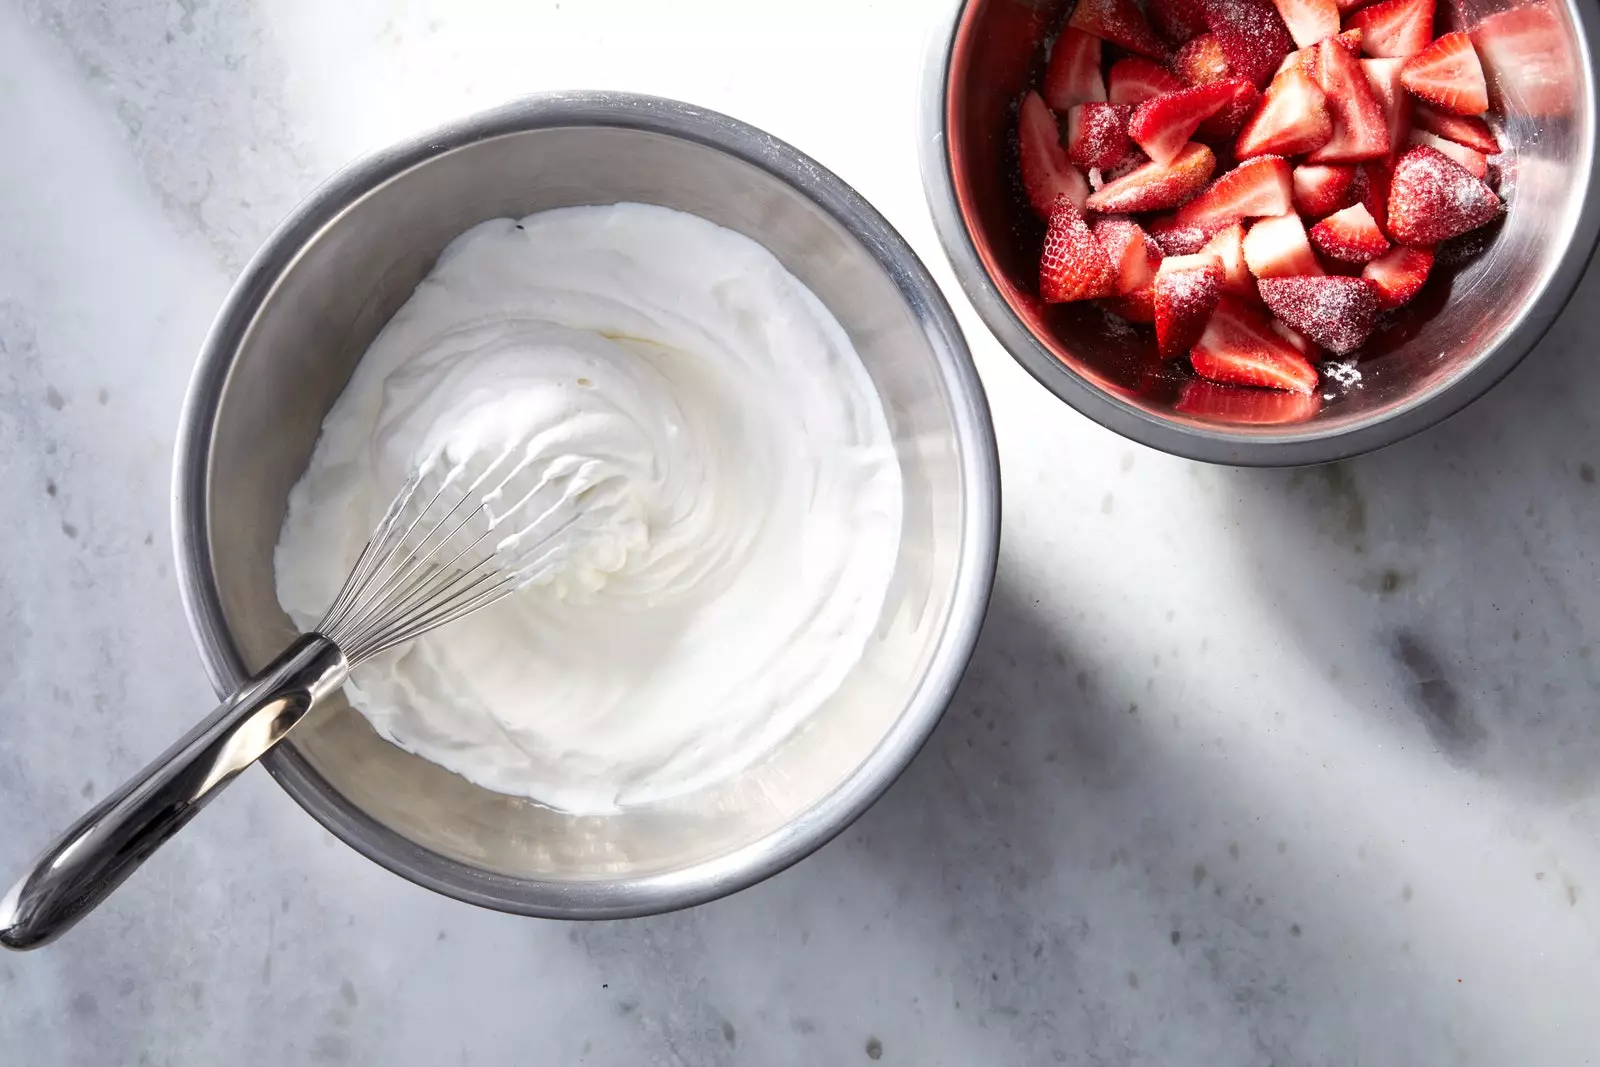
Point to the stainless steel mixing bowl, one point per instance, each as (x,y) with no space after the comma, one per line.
(304,312)
(1471,325)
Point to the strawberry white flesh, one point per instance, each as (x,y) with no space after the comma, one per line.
(1046,173)
(1278,247)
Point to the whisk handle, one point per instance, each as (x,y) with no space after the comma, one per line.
(108,844)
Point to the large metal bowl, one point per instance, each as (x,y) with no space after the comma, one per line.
(1472,324)
(304,312)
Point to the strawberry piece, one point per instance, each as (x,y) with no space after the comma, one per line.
(1138,306)
(1394,28)
(1309,21)
(1336,313)
(1297,340)
(1306,58)
(1372,190)
(1073,75)
(1133,254)
(1074,266)
(1432,199)
(1120,22)
(1224,126)
(1277,247)
(1251,35)
(1256,187)
(1239,347)
(1162,125)
(1134,80)
(1474,163)
(1046,173)
(1178,20)
(1397,276)
(1177,238)
(1447,74)
(1187,290)
(1293,118)
(1351,236)
(1347,6)
(1462,129)
(1154,187)
(1526,50)
(1245,407)
(1097,134)
(1200,61)
(1360,130)
(1228,247)
(1322,189)
(1383,76)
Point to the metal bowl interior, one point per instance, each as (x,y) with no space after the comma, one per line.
(1476,318)
(307,308)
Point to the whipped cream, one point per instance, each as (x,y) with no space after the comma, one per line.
(729,577)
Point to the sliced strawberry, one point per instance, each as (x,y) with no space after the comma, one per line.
(1396,277)
(1177,20)
(1224,126)
(1121,22)
(1177,238)
(1447,74)
(1474,163)
(1228,247)
(1322,189)
(1134,80)
(1245,407)
(1360,130)
(1372,190)
(1297,340)
(1462,129)
(1239,347)
(1046,174)
(1187,290)
(1336,313)
(1432,199)
(1394,27)
(1528,53)
(1351,236)
(1097,134)
(1162,125)
(1133,254)
(1293,118)
(1306,58)
(1252,36)
(1201,61)
(1256,187)
(1072,76)
(1138,306)
(1154,187)
(1277,247)
(1074,266)
(1309,21)
(1383,76)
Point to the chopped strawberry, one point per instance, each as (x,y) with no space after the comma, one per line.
(1527,52)
(1239,347)
(1462,129)
(1309,21)
(1474,163)
(1245,407)
(1256,187)
(1293,118)
(1073,74)
(1046,174)
(1178,20)
(1372,190)
(1133,254)
(1277,247)
(1187,289)
(1299,341)
(1396,277)
(1074,265)
(1154,187)
(1201,61)
(1322,189)
(1097,134)
(1383,76)
(1447,74)
(1177,238)
(1130,163)
(1306,58)
(1134,80)
(1228,247)
(1252,36)
(1162,125)
(1394,27)
(1351,236)
(1224,126)
(1138,306)
(1336,313)
(1360,130)
(1121,22)
(1432,198)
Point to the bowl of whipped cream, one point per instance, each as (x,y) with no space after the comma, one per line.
(748,645)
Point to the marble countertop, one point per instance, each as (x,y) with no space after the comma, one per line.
(1250,767)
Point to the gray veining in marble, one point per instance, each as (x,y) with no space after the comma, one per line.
(1250,768)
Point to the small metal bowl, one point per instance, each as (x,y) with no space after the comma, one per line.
(1473,322)
(305,311)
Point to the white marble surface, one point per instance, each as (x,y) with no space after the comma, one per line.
(1250,768)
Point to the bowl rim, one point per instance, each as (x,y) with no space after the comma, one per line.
(977,556)
(1199,442)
